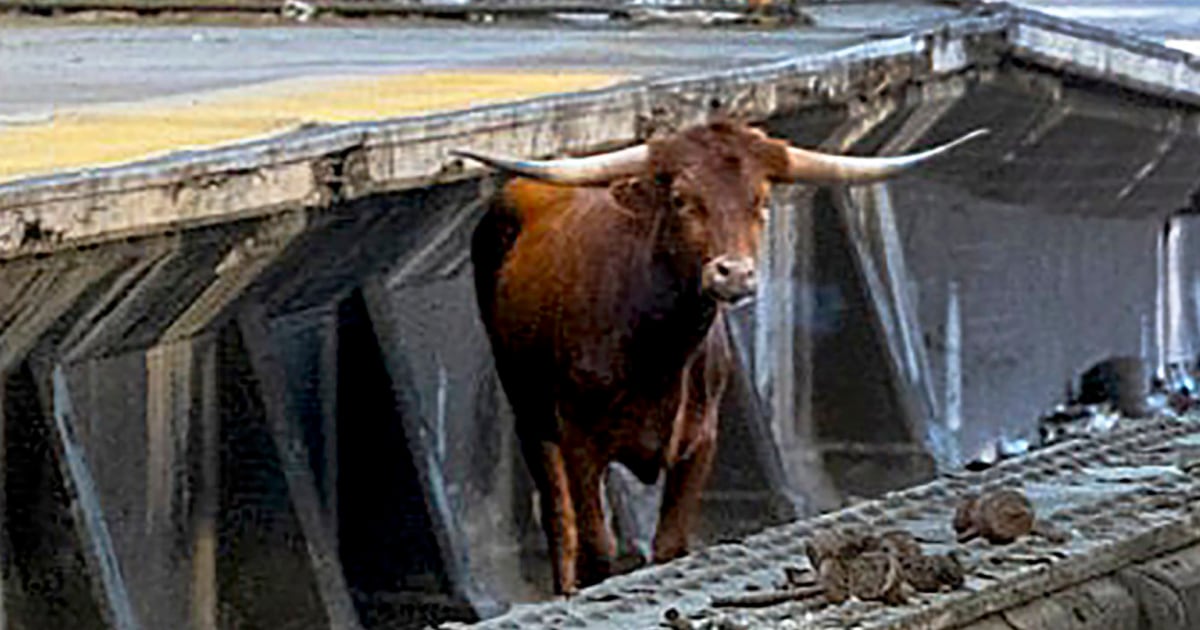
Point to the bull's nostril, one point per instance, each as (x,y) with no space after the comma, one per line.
(723,269)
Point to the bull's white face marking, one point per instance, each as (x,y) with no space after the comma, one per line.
(729,279)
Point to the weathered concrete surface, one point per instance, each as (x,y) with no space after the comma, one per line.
(100,136)
(1151,19)
(149,90)
(45,215)
(62,66)
(34,215)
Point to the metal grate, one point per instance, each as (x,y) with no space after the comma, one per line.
(1123,498)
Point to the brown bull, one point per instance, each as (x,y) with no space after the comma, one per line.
(600,282)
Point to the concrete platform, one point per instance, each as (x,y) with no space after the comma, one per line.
(87,96)
(103,135)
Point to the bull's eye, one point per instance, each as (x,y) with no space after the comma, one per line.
(677,200)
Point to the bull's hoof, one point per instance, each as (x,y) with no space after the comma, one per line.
(595,572)
(628,562)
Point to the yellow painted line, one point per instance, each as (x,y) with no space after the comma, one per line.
(114,134)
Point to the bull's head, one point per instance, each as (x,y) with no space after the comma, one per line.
(710,184)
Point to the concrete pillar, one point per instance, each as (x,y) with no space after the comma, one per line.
(783,362)
(1160,306)
(952,385)
(206,488)
(170,412)
(1179,331)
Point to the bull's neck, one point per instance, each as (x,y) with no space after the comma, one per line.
(673,315)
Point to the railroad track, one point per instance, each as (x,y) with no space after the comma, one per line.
(1121,499)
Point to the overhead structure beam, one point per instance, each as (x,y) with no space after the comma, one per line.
(241,266)
(45,300)
(182,449)
(337,163)
(206,488)
(125,297)
(783,352)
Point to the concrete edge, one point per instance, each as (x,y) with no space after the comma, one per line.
(1100,54)
(1159,592)
(329,163)
(323,164)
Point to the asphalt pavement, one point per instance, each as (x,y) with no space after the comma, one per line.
(57,72)
(56,66)
(64,64)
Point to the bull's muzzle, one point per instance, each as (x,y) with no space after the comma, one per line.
(730,278)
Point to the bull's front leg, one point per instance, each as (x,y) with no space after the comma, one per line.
(692,446)
(549,472)
(597,547)
(685,482)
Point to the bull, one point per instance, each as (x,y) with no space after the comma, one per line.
(601,282)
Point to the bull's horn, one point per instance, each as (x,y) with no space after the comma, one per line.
(595,169)
(824,168)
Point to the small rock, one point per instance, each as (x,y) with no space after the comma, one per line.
(672,619)
(900,543)
(876,576)
(834,579)
(930,574)
(999,516)
(843,542)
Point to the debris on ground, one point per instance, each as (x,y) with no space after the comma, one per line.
(876,576)
(931,574)
(763,599)
(854,561)
(298,10)
(1112,393)
(1000,516)
(796,577)
(900,543)
(672,619)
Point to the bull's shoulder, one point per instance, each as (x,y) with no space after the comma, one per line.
(532,202)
